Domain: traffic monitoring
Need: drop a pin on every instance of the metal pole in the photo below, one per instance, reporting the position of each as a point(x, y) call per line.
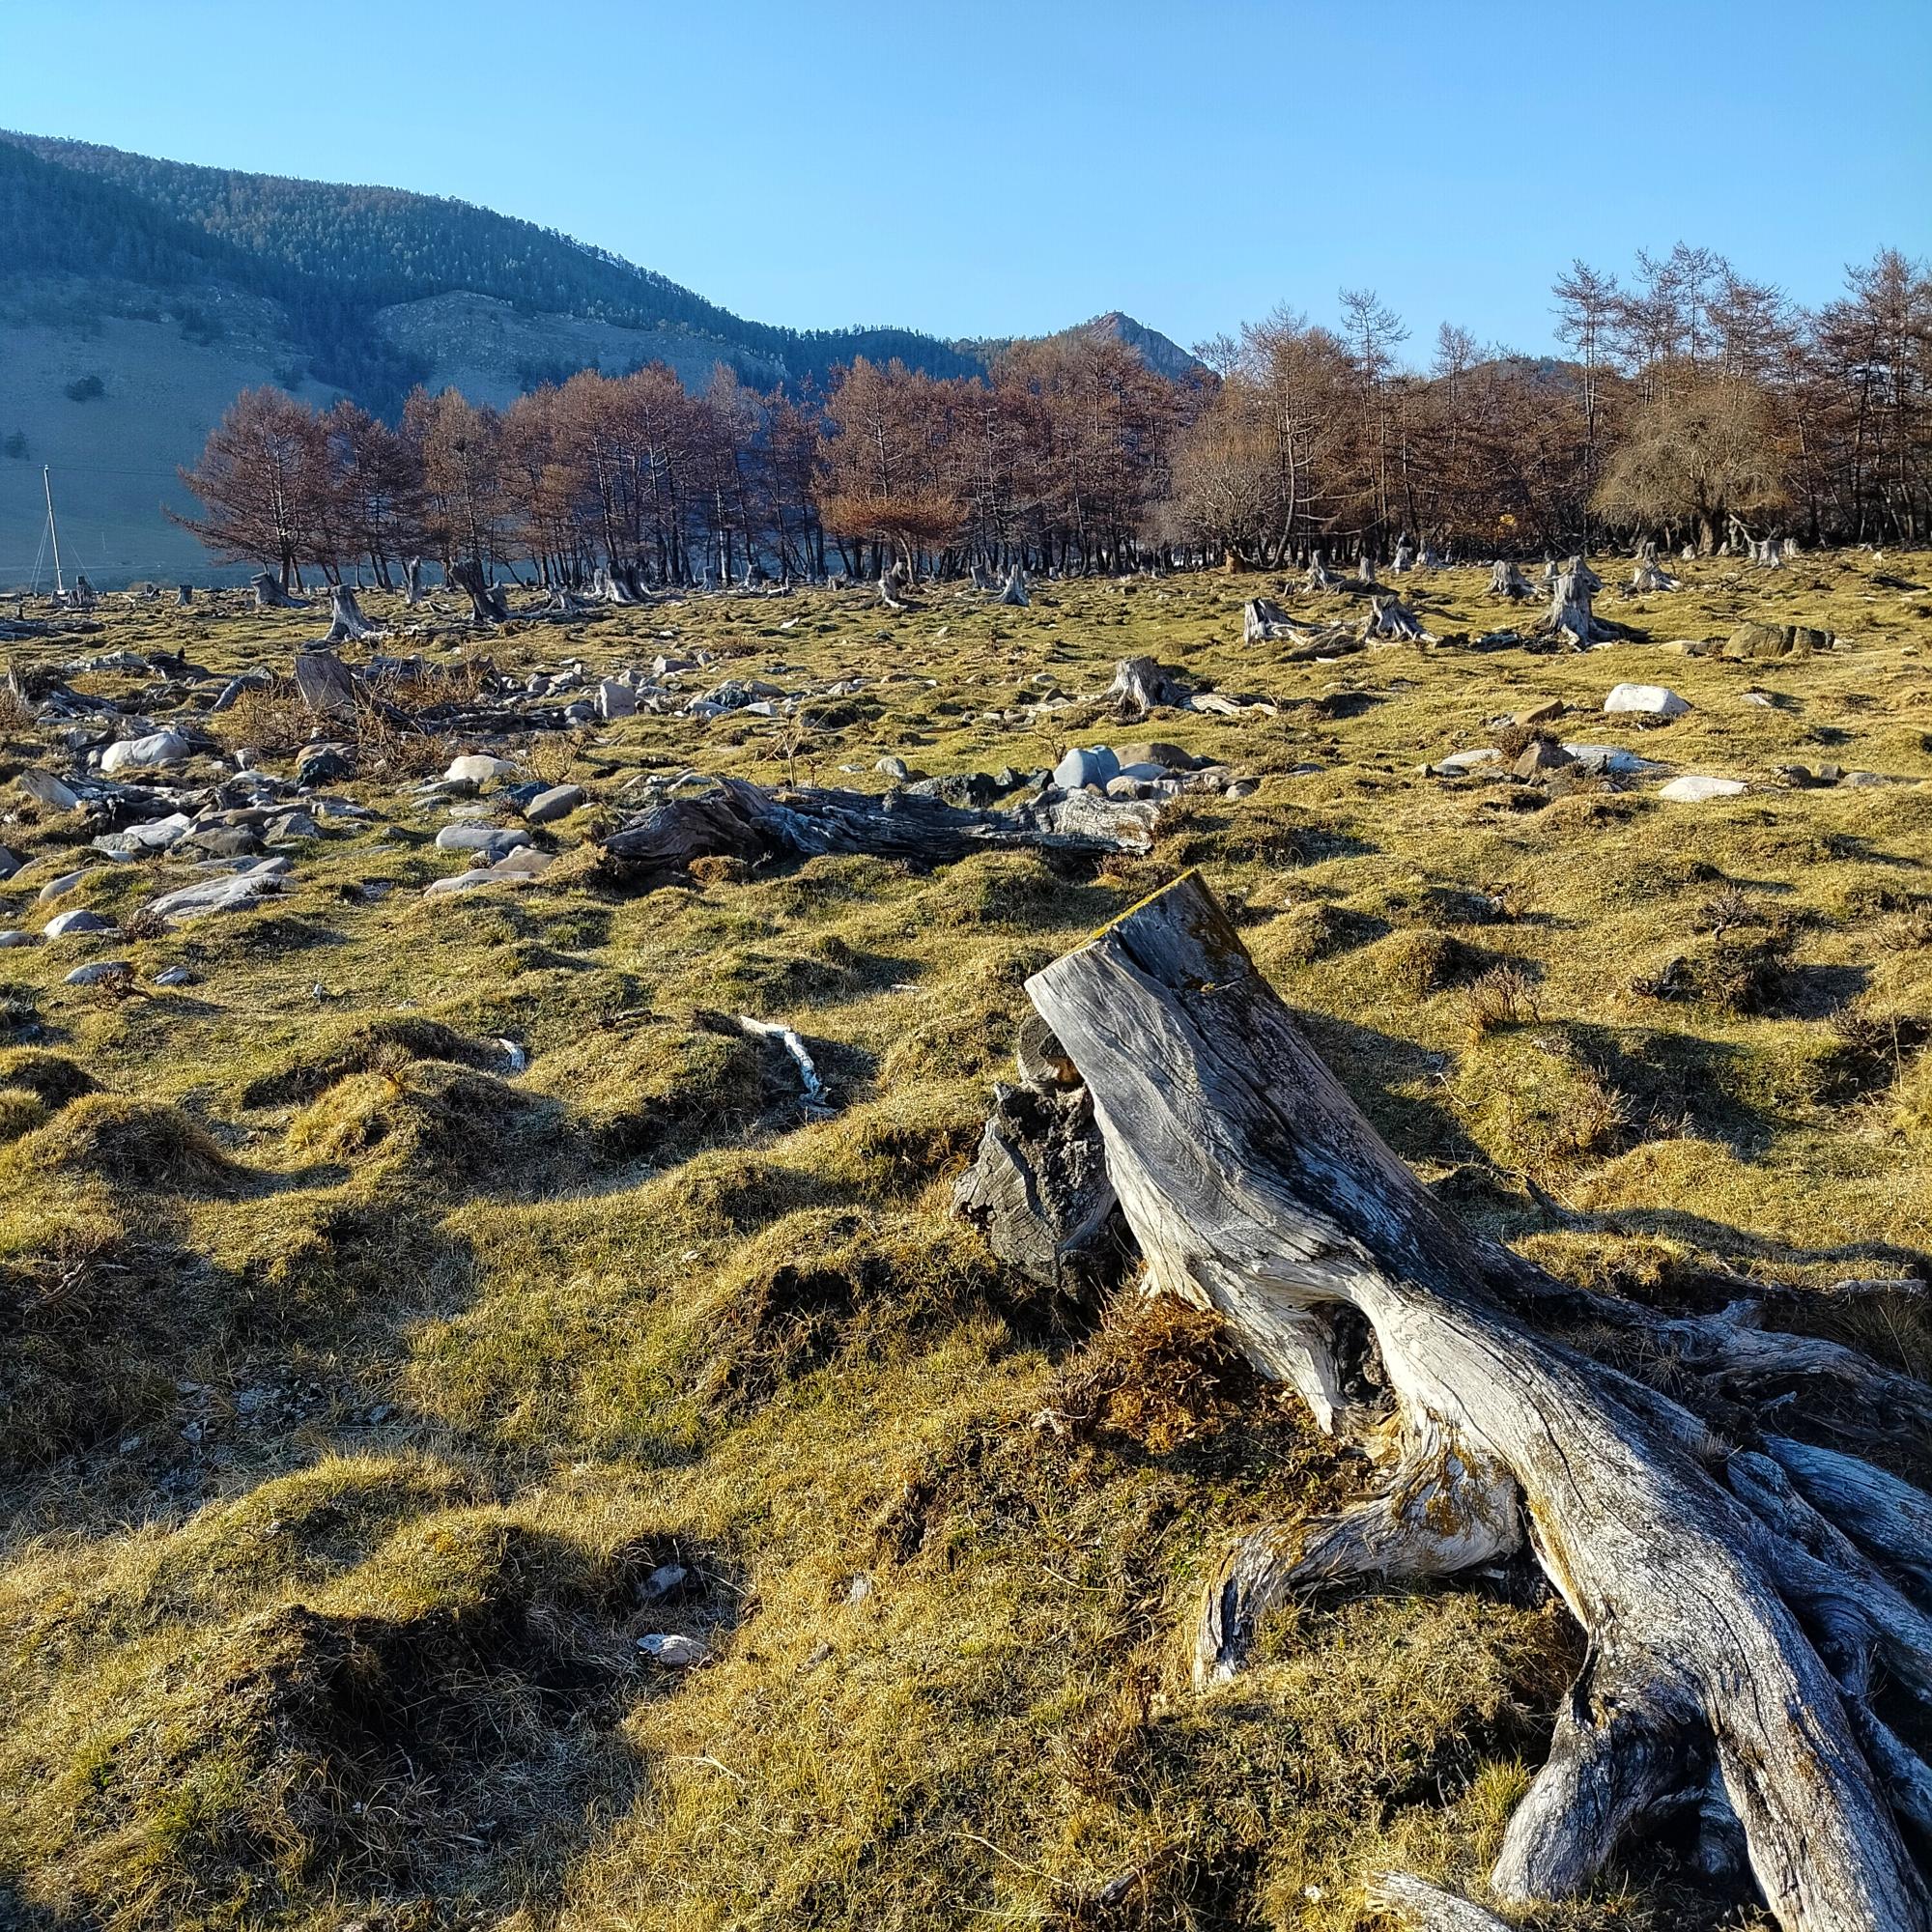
point(48, 484)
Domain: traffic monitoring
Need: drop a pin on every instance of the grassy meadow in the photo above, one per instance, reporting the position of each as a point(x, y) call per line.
point(363, 1401)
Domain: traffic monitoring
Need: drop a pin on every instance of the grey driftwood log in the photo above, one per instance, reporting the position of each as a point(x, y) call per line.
point(740, 820)
point(1746, 1604)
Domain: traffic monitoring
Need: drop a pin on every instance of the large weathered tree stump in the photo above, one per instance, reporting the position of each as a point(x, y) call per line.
point(487, 603)
point(1744, 1626)
point(346, 621)
point(269, 594)
point(1507, 580)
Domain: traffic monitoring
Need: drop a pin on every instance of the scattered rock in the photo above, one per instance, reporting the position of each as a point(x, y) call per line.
point(81, 919)
point(175, 975)
point(559, 802)
point(895, 769)
point(156, 749)
point(1550, 709)
point(13, 936)
point(1647, 700)
point(97, 972)
point(614, 699)
point(674, 1652)
point(1693, 789)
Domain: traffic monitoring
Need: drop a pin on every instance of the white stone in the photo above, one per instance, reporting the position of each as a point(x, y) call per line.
point(614, 700)
point(1648, 701)
point(1693, 789)
point(157, 747)
point(98, 970)
point(478, 768)
point(231, 895)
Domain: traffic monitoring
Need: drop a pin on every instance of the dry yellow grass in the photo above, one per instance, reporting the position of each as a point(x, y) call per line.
point(354, 1386)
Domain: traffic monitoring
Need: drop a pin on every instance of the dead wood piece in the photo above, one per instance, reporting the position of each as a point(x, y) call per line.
point(487, 603)
point(271, 596)
point(1038, 1189)
point(324, 683)
point(346, 623)
point(746, 821)
point(1139, 686)
point(1732, 1631)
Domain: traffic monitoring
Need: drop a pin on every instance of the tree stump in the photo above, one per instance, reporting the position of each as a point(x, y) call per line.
point(1507, 580)
point(487, 603)
point(1139, 686)
point(1016, 591)
point(412, 581)
point(1737, 1614)
point(346, 621)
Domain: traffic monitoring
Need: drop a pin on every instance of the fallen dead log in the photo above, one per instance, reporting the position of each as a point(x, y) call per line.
point(739, 820)
point(1744, 1631)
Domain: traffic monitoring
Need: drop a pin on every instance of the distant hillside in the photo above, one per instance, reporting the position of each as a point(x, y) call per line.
point(139, 294)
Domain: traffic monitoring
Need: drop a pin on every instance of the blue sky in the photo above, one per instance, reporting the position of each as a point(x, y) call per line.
point(1009, 168)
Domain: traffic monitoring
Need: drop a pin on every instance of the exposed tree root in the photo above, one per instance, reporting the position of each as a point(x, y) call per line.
point(1740, 1641)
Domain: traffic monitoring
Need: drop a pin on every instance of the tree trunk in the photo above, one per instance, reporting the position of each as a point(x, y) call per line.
point(1016, 591)
point(1731, 1627)
point(413, 580)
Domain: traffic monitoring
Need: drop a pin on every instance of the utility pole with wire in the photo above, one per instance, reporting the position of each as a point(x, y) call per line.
point(53, 529)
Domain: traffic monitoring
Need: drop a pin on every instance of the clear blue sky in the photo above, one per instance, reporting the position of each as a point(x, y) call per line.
point(1009, 168)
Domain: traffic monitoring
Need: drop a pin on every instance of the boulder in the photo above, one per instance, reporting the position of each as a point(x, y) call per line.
point(1542, 754)
point(155, 835)
point(13, 937)
point(139, 754)
point(559, 802)
point(489, 842)
point(1694, 789)
point(477, 769)
point(614, 699)
point(49, 790)
point(96, 971)
point(1094, 766)
point(81, 919)
point(1647, 700)
point(236, 892)
point(1776, 641)
point(1157, 752)
point(1549, 710)
point(324, 764)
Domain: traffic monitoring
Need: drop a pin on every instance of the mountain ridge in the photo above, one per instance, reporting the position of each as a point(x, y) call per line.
point(143, 293)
